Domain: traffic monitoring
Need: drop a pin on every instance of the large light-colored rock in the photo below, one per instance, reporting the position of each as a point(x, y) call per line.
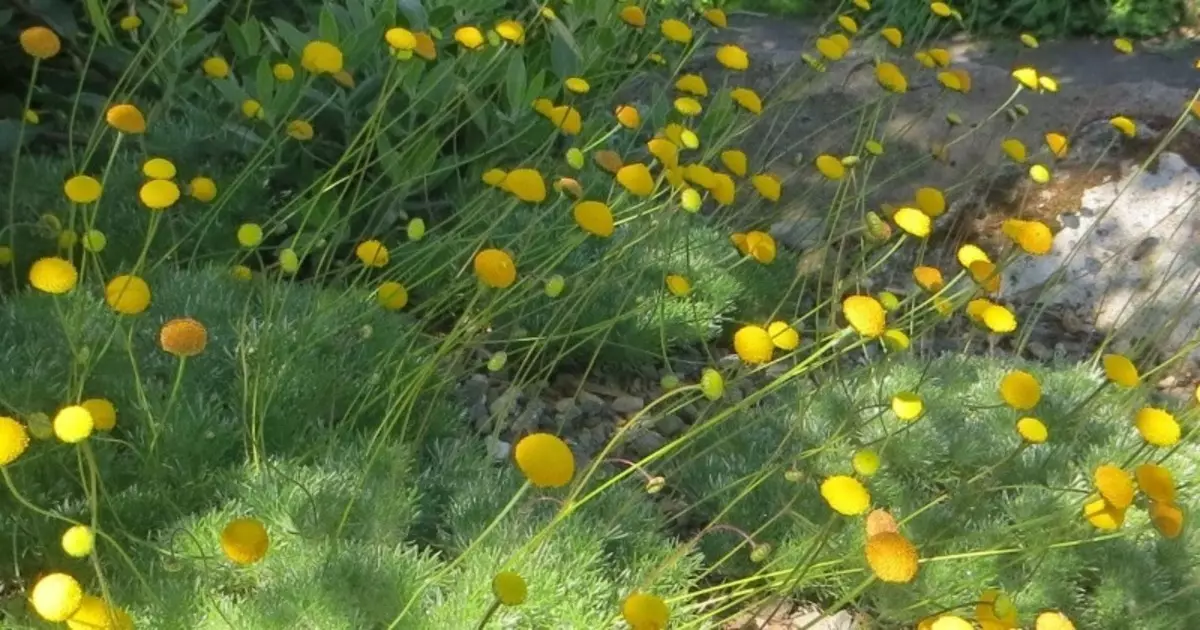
point(1129, 261)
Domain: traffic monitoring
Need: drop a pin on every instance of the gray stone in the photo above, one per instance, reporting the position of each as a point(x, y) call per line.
point(474, 388)
point(815, 620)
point(498, 449)
point(670, 426)
point(626, 405)
point(505, 404)
point(645, 442)
point(480, 417)
point(1039, 350)
point(590, 403)
point(567, 411)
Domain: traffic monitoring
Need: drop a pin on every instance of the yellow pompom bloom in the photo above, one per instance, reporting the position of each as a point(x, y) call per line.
point(129, 23)
point(676, 31)
point(636, 179)
point(241, 273)
point(891, 78)
point(372, 253)
point(1123, 46)
point(940, 56)
point(289, 260)
point(689, 199)
point(202, 189)
point(14, 439)
point(995, 610)
point(569, 186)
point(760, 246)
point(665, 151)
point(53, 275)
point(881, 521)
point(929, 278)
point(1029, 40)
point(104, 413)
point(1027, 77)
point(892, 558)
point(158, 168)
point(545, 460)
point(216, 67)
point(1157, 426)
point(495, 268)
point(73, 424)
point(392, 295)
point(1020, 390)
point(1114, 485)
point(846, 495)
point(300, 130)
point(577, 85)
point(594, 218)
point(283, 72)
point(494, 177)
point(1053, 620)
point(643, 611)
point(78, 541)
point(95, 614)
point(716, 17)
point(426, 47)
point(678, 285)
point(688, 106)
point(183, 337)
point(896, 340)
point(753, 344)
point(509, 588)
point(830, 48)
point(469, 37)
point(1167, 519)
point(1120, 370)
point(985, 274)
point(1032, 430)
point(692, 84)
point(321, 57)
point(252, 109)
point(628, 116)
point(733, 57)
point(127, 295)
point(567, 119)
point(865, 314)
point(1049, 84)
point(768, 186)
point(249, 235)
point(736, 161)
point(830, 167)
point(931, 201)
point(56, 597)
point(950, 622)
point(893, 36)
point(783, 336)
point(400, 39)
point(1103, 515)
point(913, 221)
point(940, 9)
point(525, 184)
point(40, 42)
point(1014, 149)
point(1155, 481)
point(712, 384)
point(999, 319)
point(159, 194)
point(907, 406)
point(126, 118)
point(245, 541)
point(1125, 125)
point(865, 462)
point(633, 15)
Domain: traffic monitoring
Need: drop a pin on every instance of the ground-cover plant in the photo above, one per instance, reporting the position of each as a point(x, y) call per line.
point(227, 388)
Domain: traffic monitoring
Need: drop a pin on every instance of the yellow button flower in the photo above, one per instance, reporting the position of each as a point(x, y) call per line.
point(692, 84)
point(82, 189)
point(846, 495)
point(14, 439)
point(509, 588)
point(636, 179)
point(53, 275)
point(525, 184)
point(633, 15)
point(245, 541)
point(183, 337)
point(469, 37)
point(202, 189)
point(865, 314)
point(73, 424)
point(1020, 390)
point(300, 130)
point(126, 118)
point(678, 285)
point(104, 413)
point(748, 99)
point(676, 31)
point(283, 72)
point(159, 194)
point(216, 67)
point(321, 57)
point(594, 218)
point(40, 42)
point(753, 344)
point(907, 406)
point(127, 295)
point(372, 253)
point(1157, 426)
point(545, 460)
point(1114, 485)
point(892, 558)
point(733, 57)
point(1032, 430)
point(495, 268)
point(643, 611)
point(158, 168)
point(56, 597)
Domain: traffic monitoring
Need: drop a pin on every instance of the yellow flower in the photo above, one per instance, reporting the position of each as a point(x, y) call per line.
point(1125, 125)
point(283, 72)
point(400, 39)
point(712, 384)
point(950, 80)
point(830, 167)
point(494, 177)
point(241, 273)
point(578, 85)
point(569, 186)
point(159, 194)
point(1123, 45)
point(735, 160)
point(40, 42)
point(469, 37)
point(995, 611)
point(509, 588)
point(1155, 481)
point(865, 462)
point(426, 47)
point(733, 57)
point(56, 597)
point(896, 340)
point(1114, 485)
point(891, 78)
point(689, 199)
point(907, 406)
point(183, 337)
point(300, 130)
point(512, 31)
point(1032, 430)
point(929, 278)
point(525, 184)
point(1103, 516)
point(760, 246)
point(73, 424)
point(665, 151)
point(893, 36)
point(1033, 237)
point(545, 460)
point(372, 253)
point(767, 185)
point(289, 260)
point(321, 57)
point(1027, 77)
point(53, 275)
point(158, 168)
point(495, 268)
point(82, 189)
point(940, 9)
point(1029, 40)
point(1020, 390)
point(252, 109)
point(688, 106)
point(913, 221)
point(924, 58)
point(31, 117)
point(783, 336)
point(1049, 84)
point(1014, 149)
point(1053, 620)
point(692, 84)
point(984, 273)
point(633, 15)
point(94, 614)
point(753, 344)
point(104, 414)
point(892, 558)
point(127, 295)
point(676, 31)
point(865, 5)
point(846, 495)
point(881, 521)
point(14, 439)
point(865, 314)
point(643, 611)
point(216, 67)
point(126, 118)
point(949, 622)
point(249, 235)
point(202, 189)
point(608, 160)
point(594, 218)
point(716, 17)
point(1157, 426)
point(129, 23)
point(1167, 519)
point(245, 541)
point(392, 295)
point(1120, 370)
point(78, 541)
point(848, 23)
point(1057, 143)
point(636, 179)
point(830, 48)
point(999, 319)
point(628, 116)
point(748, 99)
point(678, 285)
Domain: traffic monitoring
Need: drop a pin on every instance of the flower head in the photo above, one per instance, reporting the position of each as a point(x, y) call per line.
point(692, 84)
point(321, 57)
point(14, 439)
point(1157, 426)
point(244, 541)
point(104, 414)
point(892, 558)
point(511, 31)
point(469, 37)
point(676, 31)
point(636, 179)
point(783, 336)
point(846, 495)
point(830, 167)
point(73, 424)
point(56, 597)
point(1053, 620)
point(300, 130)
point(183, 337)
point(594, 217)
point(712, 384)
point(126, 118)
point(733, 57)
point(633, 15)
point(40, 42)
point(1114, 485)
point(127, 295)
point(891, 78)
point(1155, 481)
point(865, 314)
point(628, 116)
point(1020, 390)
point(643, 611)
point(678, 285)
point(545, 460)
point(215, 67)
point(525, 184)
point(1167, 519)
point(78, 541)
point(495, 268)
point(1032, 430)
point(753, 344)
point(509, 588)
point(95, 614)
point(159, 194)
point(907, 406)
point(372, 253)
point(913, 222)
point(865, 462)
point(202, 189)
point(283, 72)
point(53, 275)
point(716, 17)
point(880, 521)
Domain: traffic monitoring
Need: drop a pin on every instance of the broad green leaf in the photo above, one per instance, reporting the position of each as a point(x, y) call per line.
point(327, 26)
point(252, 32)
point(290, 34)
point(237, 40)
point(231, 91)
point(264, 82)
point(414, 11)
point(197, 49)
point(99, 20)
point(57, 14)
point(515, 81)
point(5, 16)
point(564, 55)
